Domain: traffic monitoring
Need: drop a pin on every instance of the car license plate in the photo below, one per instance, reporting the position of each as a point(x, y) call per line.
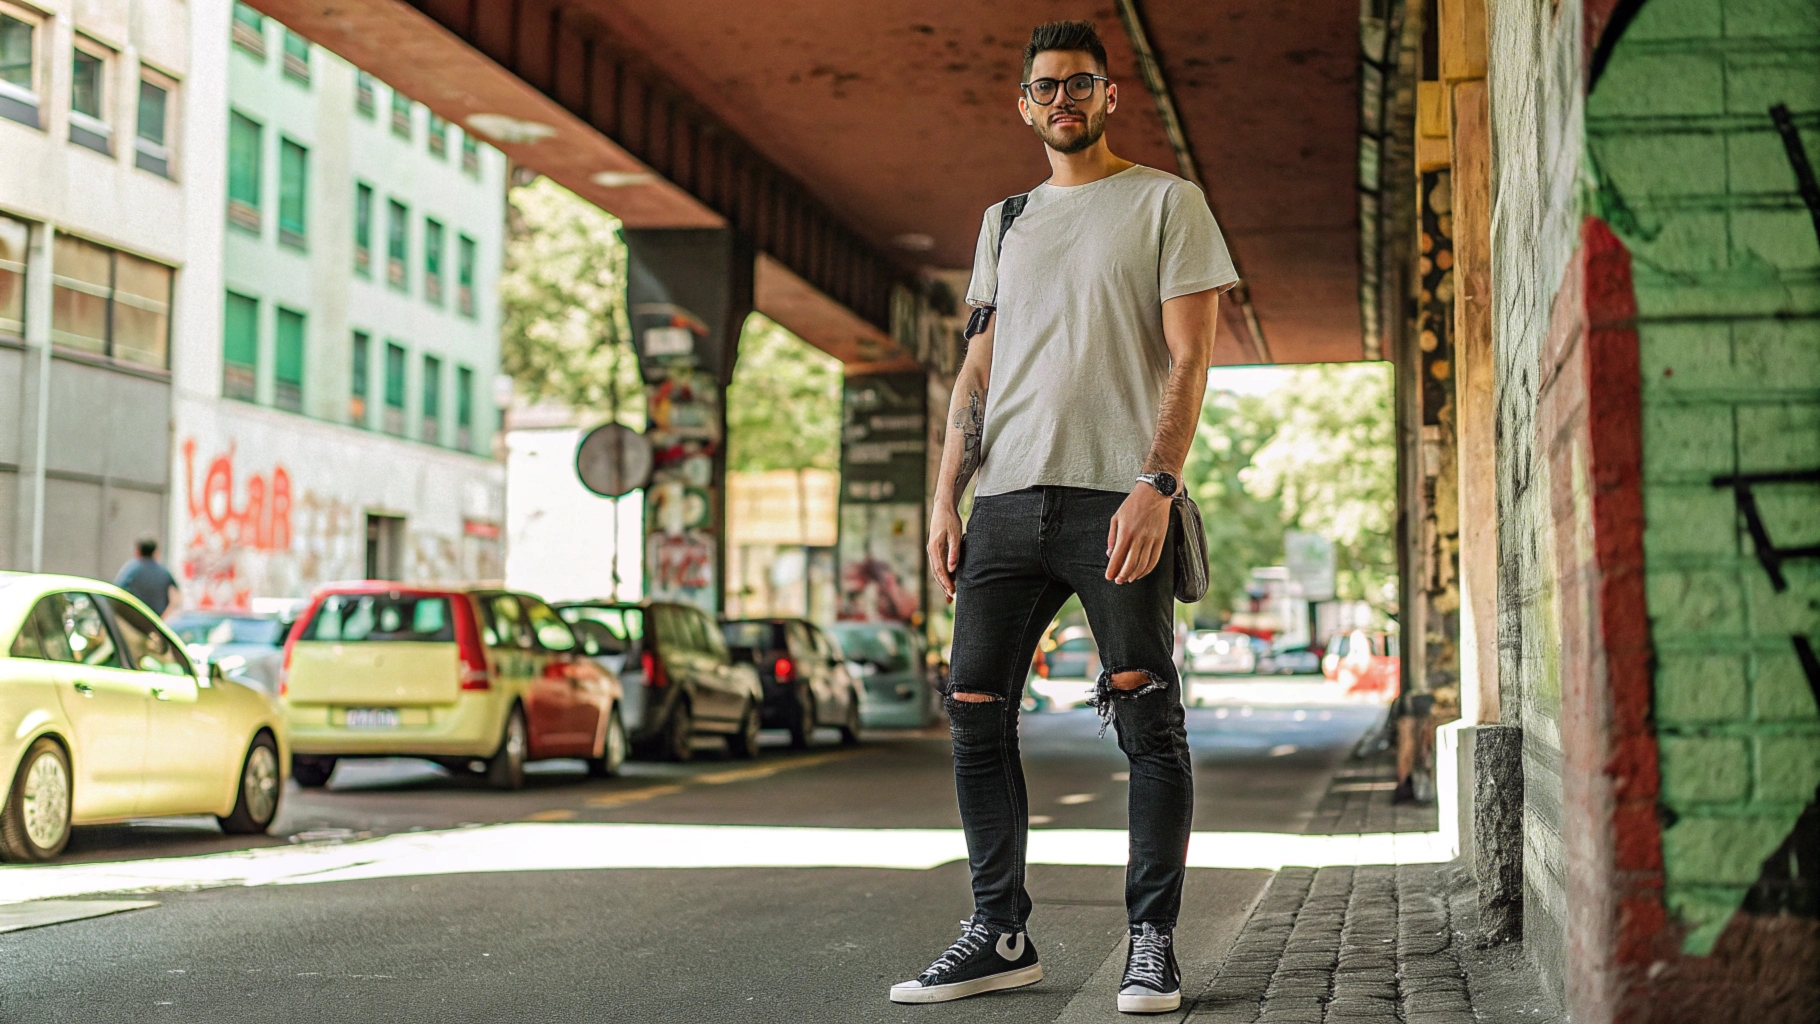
point(372, 718)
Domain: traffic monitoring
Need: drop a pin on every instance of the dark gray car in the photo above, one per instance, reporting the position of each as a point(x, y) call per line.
point(805, 678)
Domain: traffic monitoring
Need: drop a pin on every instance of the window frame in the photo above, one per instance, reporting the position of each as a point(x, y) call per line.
point(19, 103)
point(464, 407)
point(429, 400)
point(403, 112)
point(243, 213)
point(156, 157)
point(366, 99)
point(398, 245)
point(467, 270)
point(293, 233)
point(249, 36)
point(360, 378)
point(93, 131)
point(112, 295)
point(363, 229)
point(229, 365)
point(434, 234)
point(288, 392)
point(392, 412)
point(295, 65)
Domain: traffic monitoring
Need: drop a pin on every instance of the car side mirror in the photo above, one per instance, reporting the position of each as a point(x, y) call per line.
point(214, 675)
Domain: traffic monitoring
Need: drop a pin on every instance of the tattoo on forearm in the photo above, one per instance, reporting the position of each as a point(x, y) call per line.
point(1175, 421)
point(971, 422)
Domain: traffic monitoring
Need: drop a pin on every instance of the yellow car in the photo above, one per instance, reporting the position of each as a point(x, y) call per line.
point(462, 675)
point(103, 717)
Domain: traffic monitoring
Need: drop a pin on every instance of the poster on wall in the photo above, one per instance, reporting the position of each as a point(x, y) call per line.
point(881, 562)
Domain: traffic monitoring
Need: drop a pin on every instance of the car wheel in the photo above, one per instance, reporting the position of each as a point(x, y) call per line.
point(260, 786)
point(312, 772)
point(506, 768)
point(802, 726)
point(35, 823)
point(679, 733)
point(612, 749)
point(849, 729)
point(744, 743)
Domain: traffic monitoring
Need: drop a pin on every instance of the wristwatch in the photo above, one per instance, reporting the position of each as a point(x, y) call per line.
point(1165, 483)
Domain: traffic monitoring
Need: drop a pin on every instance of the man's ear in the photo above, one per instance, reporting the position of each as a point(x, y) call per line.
point(1023, 109)
point(1112, 97)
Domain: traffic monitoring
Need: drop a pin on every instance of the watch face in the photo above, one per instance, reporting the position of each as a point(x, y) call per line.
point(1165, 483)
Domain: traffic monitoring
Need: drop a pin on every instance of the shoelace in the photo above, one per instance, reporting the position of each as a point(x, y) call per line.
point(973, 939)
point(1149, 963)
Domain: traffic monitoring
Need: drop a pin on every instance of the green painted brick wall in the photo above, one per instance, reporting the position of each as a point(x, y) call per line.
point(1684, 163)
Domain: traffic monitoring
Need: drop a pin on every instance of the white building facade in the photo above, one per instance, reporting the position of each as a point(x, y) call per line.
point(109, 265)
point(342, 421)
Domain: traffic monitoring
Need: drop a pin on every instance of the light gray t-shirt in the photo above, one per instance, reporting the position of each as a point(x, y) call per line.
point(1078, 356)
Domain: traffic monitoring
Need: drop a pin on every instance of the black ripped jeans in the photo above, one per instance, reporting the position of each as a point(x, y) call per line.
point(1022, 555)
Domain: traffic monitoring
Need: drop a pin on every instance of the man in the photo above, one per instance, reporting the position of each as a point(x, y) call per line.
point(1106, 290)
point(148, 581)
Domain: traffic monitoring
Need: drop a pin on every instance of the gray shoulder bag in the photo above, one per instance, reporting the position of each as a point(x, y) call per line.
point(1186, 535)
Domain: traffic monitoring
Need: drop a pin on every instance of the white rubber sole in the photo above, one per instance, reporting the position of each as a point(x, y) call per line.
point(1135, 1003)
point(910, 992)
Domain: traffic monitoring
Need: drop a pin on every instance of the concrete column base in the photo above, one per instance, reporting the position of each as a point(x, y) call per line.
point(1479, 779)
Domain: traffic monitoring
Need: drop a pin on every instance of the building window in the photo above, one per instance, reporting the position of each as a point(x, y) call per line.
point(470, 154)
point(249, 30)
point(401, 115)
point(432, 260)
point(363, 229)
point(293, 193)
point(397, 243)
point(88, 79)
point(245, 149)
point(464, 291)
point(240, 348)
point(287, 361)
point(18, 70)
point(394, 389)
point(110, 303)
point(151, 151)
point(358, 386)
point(363, 94)
point(439, 137)
point(432, 400)
point(464, 408)
point(296, 57)
point(15, 238)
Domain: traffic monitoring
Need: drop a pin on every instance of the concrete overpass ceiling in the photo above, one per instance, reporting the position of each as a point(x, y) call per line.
point(896, 120)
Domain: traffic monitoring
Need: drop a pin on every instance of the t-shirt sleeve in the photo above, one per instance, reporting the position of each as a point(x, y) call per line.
point(983, 290)
point(1193, 255)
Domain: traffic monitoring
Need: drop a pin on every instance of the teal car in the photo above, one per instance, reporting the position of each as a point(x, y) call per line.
point(889, 660)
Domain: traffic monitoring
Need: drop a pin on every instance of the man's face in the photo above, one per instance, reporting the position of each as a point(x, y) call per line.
point(1068, 125)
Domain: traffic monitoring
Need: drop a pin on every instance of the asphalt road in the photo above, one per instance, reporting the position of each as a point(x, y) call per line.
point(670, 944)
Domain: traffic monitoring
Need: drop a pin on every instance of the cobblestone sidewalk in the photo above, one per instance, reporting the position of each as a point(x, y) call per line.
point(1370, 945)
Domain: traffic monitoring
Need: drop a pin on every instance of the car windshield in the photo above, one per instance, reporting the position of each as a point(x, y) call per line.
point(194, 628)
point(351, 618)
point(624, 623)
point(879, 645)
point(752, 635)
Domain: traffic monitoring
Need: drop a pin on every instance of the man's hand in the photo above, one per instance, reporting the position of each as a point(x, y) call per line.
point(945, 545)
point(1139, 530)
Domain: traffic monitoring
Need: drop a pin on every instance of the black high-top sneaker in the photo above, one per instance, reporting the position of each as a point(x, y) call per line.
point(1153, 981)
point(981, 960)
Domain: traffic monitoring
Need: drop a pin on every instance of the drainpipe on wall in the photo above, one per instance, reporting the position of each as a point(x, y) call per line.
point(38, 334)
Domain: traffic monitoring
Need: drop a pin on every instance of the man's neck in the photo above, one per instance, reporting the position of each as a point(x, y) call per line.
point(1089, 165)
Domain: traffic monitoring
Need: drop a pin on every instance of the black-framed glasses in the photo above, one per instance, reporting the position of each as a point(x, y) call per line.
point(1043, 91)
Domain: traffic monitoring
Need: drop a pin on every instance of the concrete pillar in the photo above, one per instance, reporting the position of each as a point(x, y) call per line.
point(688, 293)
point(884, 468)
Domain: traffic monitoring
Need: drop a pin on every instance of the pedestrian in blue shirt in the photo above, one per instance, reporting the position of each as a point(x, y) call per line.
point(148, 581)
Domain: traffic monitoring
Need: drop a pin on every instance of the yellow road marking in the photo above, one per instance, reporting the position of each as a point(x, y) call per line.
point(766, 770)
point(632, 796)
point(553, 814)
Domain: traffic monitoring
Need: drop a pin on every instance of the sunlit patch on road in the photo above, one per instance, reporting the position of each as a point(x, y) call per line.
point(533, 846)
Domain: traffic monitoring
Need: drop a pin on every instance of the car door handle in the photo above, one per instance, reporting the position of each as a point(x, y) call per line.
point(85, 689)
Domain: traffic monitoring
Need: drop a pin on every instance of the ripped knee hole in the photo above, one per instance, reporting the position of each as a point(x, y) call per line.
point(969, 697)
point(1131, 680)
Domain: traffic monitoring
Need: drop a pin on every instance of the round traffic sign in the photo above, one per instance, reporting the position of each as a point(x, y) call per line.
point(613, 460)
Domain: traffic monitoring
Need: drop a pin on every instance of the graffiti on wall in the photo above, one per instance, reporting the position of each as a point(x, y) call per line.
point(223, 523)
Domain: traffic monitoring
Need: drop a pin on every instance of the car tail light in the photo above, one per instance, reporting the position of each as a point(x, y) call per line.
point(784, 670)
point(654, 670)
point(474, 674)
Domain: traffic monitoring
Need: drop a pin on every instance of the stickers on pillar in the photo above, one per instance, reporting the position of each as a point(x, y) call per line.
point(881, 562)
point(682, 567)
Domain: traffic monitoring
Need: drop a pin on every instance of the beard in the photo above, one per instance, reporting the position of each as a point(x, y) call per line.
point(1069, 144)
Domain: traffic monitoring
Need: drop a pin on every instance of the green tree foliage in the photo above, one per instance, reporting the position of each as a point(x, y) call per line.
point(783, 407)
point(1331, 467)
point(1243, 530)
point(563, 294)
point(1316, 454)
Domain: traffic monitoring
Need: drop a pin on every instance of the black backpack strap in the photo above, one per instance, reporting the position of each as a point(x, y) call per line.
point(982, 315)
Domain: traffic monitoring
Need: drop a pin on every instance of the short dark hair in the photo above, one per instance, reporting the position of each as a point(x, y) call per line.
point(147, 547)
point(1065, 35)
